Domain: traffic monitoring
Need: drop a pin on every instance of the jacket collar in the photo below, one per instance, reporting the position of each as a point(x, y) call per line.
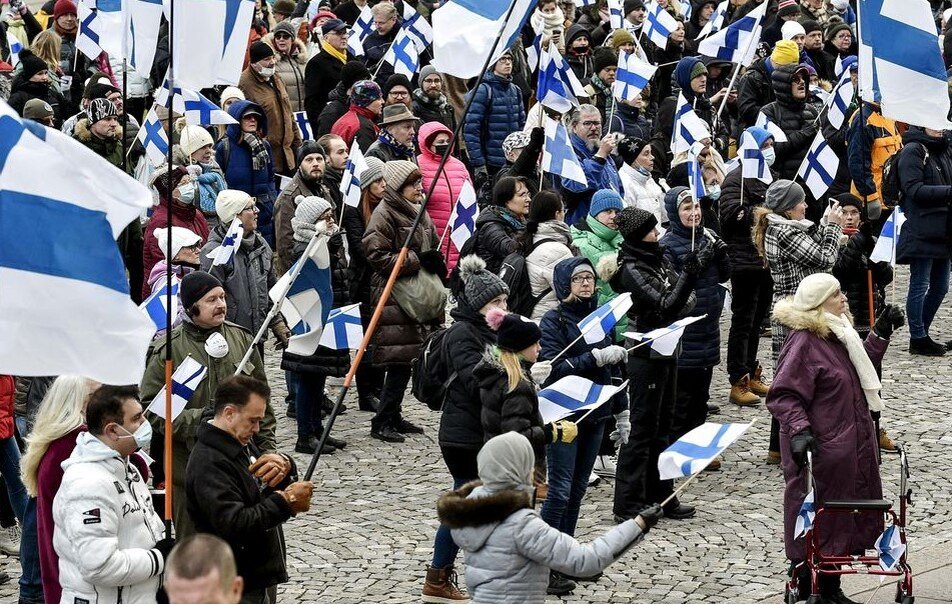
point(457, 510)
point(217, 438)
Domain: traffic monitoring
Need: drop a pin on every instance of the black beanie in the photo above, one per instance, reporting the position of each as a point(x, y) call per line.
point(514, 333)
point(30, 64)
point(631, 5)
point(811, 25)
point(397, 79)
point(635, 223)
point(194, 286)
point(353, 71)
point(604, 57)
point(259, 50)
point(848, 199)
point(308, 147)
point(630, 148)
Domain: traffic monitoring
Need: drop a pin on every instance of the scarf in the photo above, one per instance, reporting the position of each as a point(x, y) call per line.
point(868, 380)
point(548, 22)
point(303, 230)
point(401, 151)
point(340, 56)
point(259, 151)
point(66, 35)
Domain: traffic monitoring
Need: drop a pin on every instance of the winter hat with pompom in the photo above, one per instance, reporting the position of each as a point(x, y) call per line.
point(514, 333)
point(479, 285)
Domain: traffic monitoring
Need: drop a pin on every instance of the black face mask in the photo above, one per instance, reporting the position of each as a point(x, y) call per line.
point(441, 148)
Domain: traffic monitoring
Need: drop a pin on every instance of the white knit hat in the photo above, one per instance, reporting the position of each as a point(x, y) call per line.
point(814, 291)
point(791, 29)
point(181, 237)
point(194, 138)
point(229, 203)
point(231, 92)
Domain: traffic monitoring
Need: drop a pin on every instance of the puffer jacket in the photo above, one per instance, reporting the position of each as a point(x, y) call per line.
point(284, 209)
point(797, 119)
point(583, 66)
point(641, 191)
point(925, 177)
point(447, 188)
point(182, 216)
point(600, 245)
point(290, 68)
point(599, 174)
point(105, 528)
point(495, 237)
point(505, 411)
point(496, 112)
point(701, 343)
point(850, 270)
point(137, 86)
point(553, 242)
point(510, 549)
point(737, 219)
point(8, 391)
point(754, 91)
point(560, 331)
point(247, 278)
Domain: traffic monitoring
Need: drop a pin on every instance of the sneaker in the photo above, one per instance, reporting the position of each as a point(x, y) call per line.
point(885, 444)
point(559, 585)
point(605, 465)
point(773, 458)
point(757, 384)
point(593, 479)
point(10, 540)
point(387, 434)
point(310, 445)
point(404, 427)
point(926, 347)
point(440, 587)
point(741, 394)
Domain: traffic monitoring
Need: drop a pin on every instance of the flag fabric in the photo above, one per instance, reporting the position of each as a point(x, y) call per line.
point(838, 67)
point(738, 41)
point(559, 87)
point(170, 96)
point(584, 3)
point(199, 111)
point(463, 218)
point(309, 298)
point(664, 340)
point(211, 37)
point(110, 23)
point(363, 27)
point(573, 393)
point(819, 167)
point(65, 305)
point(153, 139)
point(890, 547)
point(900, 62)
point(839, 101)
point(716, 21)
point(687, 9)
point(885, 248)
point(416, 27)
point(695, 450)
point(343, 330)
point(15, 46)
point(90, 29)
point(141, 20)
point(805, 517)
point(403, 55)
point(752, 159)
point(696, 173)
point(534, 51)
point(157, 305)
point(767, 124)
point(465, 33)
point(224, 253)
point(558, 156)
point(597, 325)
point(350, 182)
point(689, 128)
point(631, 77)
point(185, 381)
point(303, 125)
point(659, 24)
point(616, 15)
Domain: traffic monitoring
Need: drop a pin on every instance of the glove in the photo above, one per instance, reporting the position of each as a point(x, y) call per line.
point(540, 371)
point(298, 496)
point(564, 431)
point(800, 443)
point(650, 516)
point(432, 262)
point(622, 428)
point(281, 333)
point(536, 137)
point(609, 355)
point(889, 319)
point(719, 249)
point(165, 546)
point(692, 266)
point(194, 171)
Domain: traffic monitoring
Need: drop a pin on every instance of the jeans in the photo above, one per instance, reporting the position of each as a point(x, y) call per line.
point(462, 466)
point(10, 468)
point(310, 394)
point(928, 284)
point(570, 465)
point(31, 587)
point(293, 380)
point(751, 296)
point(391, 397)
point(690, 405)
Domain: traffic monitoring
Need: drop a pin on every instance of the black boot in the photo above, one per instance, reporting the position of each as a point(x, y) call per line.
point(387, 434)
point(675, 510)
point(404, 427)
point(926, 347)
point(309, 445)
point(559, 585)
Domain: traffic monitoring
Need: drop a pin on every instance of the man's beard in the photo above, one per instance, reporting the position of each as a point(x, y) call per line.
point(591, 144)
point(311, 179)
point(433, 95)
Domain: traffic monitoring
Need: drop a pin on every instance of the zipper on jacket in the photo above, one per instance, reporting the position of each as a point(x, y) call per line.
point(119, 595)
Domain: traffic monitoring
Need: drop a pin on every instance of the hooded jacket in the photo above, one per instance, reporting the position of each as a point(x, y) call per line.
point(504, 411)
point(582, 65)
point(496, 112)
point(495, 238)
point(553, 243)
point(448, 187)
point(23, 90)
point(796, 118)
point(272, 97)
point(925, 177)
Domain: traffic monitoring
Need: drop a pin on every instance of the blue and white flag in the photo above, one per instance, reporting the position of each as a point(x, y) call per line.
point(15, 46)
point(558, 88)
point(534, 50)
point(752, 160)
point(199, 111)
point(157, 304)
point(185, 381)
point(465, 32)
point(303, 125)
point(890, 547)
point(689, 128)
point(696, 173)
point(697, 449)
point(900, 62)
point(573, 393)
point(584, 3)
point(309, 297)
point(350, 182)
point(805, 517)
point(416, 27)
point(687, 8)
point(819, 167)
point(224, 253)
point(170, 97)
point(142, 19)
point(659, 24)
point(558, 156)
point(110, 19)
point(596, 326)
point(363, 27)
point(738, 41)
point(767, 124)
point(211, 37)
point(616, 14)
point(343, 331)
point(664, 340)
point(716, 22)
point(463, 219)
point(885, 248)
point(403, 55)
point(153, 139)
point(839, 101)
point(631, 77)
point(89, 33)
point(90, 326)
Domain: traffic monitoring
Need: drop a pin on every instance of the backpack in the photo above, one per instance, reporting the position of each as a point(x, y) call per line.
point(891, 189)
point(515, 273)
point(430, 377)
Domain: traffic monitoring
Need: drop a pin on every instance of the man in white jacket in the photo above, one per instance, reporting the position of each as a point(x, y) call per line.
point(107, 534)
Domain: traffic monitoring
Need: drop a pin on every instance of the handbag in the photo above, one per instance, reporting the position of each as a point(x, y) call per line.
point(421, 296)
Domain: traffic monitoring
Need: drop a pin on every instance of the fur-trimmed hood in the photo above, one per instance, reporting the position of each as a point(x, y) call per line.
point(474, 518)
point(301, 55)
point(798, 320)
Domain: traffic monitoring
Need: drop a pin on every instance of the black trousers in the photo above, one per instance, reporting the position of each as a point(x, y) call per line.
point(651, 394)
point(693, 393)
point(391, 397)
point(369, 379)
point(751, 295)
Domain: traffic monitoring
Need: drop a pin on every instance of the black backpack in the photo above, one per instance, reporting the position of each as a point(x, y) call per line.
point(431, 378)
point(515, 273)
point(891, 190)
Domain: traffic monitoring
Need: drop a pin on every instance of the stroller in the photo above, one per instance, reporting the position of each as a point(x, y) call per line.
point(818, 563)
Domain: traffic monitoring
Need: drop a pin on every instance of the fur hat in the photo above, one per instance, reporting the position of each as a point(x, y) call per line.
point(634, 223)
point(814, 290)
point(514, 333)
point(479, 285)
point(181, 237)
point(258, 51)
point(193, 138)
point(194, 286)
point(372, 173)
point(101, 109)
point(398, 173)
point(605, 199)
point(230, 203)
point(783, 195)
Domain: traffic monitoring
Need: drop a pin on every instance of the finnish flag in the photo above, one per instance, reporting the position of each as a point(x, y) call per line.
point(465, 33)
point(463, 218)
point(170, 96)
point(309, 296)
point(303, 125)
point(558, 156)
point(350, 182)
point(890, 547)
point(839, 101)
point(659, 24)
point(363, 27)
point(185, 381)
point(885, 248)
point(15, 47)
point(88, 37)
point(156, 306)
point(558, 87)
point(596, 326)
point(664, 340)
point(716, 21)
point(224, 253)
point(534, 51)
point(805, 517)
point(819, 167)
point(752, 160)
point(697, 449)
point(153, 138)
point(767, 124)
point(689, 128)
point(696, 173)
point(142, 21)
point(199, 111)
point(343, 330)
point(403, 55)
point(616, 16)
point(416, 27)
point(631, 77)
point(211, 37)
point(573, 393)
point(738, 41)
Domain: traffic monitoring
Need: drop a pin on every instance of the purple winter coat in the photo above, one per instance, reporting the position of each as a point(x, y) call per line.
point(815, 386)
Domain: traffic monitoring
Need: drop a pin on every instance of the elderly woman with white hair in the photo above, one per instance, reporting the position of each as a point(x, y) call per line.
point(824, 388)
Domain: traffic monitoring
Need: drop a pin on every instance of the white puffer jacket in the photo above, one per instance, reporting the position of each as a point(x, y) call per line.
point(105, 529)
point(540, 264)
point(641, 191)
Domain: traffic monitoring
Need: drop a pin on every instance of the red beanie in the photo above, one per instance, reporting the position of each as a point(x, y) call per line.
point(63, 7)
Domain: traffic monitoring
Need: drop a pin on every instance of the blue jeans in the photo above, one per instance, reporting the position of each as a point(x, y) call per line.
point(292, 379)
point(462, 466)
point(31, 588)
point(10, 468)
point(569, 466)
point(310, 393)
point(928, 284)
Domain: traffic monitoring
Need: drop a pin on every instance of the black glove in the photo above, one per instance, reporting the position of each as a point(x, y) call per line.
point(536, 137)
point(889, 319)
point(692, 265)
point(165, 546)
point(432, 262)
point(650, 516)
point(800, 443)
point(719, 249)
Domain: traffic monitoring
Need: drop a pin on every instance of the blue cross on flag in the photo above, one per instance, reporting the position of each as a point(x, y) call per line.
point(199, 111)
point(156, 305)
point(659, 24)
point(738, 41)
point(752, 159)
point(839, 101)
point(350, 182)
point(15, 46)
point(463, 219)
point(403, 55)
point(466, 32)
point(716, 22)
point(599, 324)
point(664, 340)
point(343, 330)
point(224, 253)
point(309, 296)
point(695, 450)
point(890, 547)
point(303, 125)
point(696, 173)
point(558, 88)
point(211, 37)
point(885, 248)
point(819, 167)
point(767, 124)
point(153, 139)
point(142, 21)
point(185, 381)
point(416, 27)
point(363, 27)
point(805, 517)
point(616, 15)
point(689, 128)
point(558, 156)
point(573, 393)
point(631, 77)
point(90, 29)
point(534, 51)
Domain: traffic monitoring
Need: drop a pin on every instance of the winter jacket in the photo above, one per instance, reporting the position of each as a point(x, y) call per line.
point(925, 177)
point(321, 76)
point(497, 111)
point(447, 188)
point(495, 238)
point(851, 269)
point(228, 501)
point(247, 278)
point(510, 549)
point(8, 391)
point(383, 150)
point(599, 174)
point(137, 86)
point(583, 65)
point(283, 134)
point(375, 47)
point(284, 209)
point(105, 528)
point(553, 242)
point(701, 342)
point(23, 90)
point(797, 119)
point(430, 110)
point(210, 182)
point(754, 92)
point(336, 106)
point(359, 272)
point(182, 216)
point(873, 138)
point(737, 219)
point(600, 245)
point(290, 70)
point(641, 191)
point(358, 123)
point(681, 86)
point(815, 386)
point(505, 411)
point(109, 149)
point(527, 164)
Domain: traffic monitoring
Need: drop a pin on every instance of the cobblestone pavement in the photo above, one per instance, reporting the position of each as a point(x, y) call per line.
point(370, 530)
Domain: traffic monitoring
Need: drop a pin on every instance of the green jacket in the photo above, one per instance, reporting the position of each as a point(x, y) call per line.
point(596, 241)
point(110, 150)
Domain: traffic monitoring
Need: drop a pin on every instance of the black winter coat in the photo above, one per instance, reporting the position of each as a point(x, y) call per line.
point(495, 238)
point(797, 119)
point(337, 105)
point(526, 165)
point(737, 219)
point(850, 270)
point(753, 92)
point(926, 183)
point(23, 90)
point(428, 110)
point(226, 500)
point(321, 76)
point(504, 411)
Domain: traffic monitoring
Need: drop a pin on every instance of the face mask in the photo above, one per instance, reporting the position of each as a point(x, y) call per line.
point(266, 72)
point(216, 346)
point(441, 148)
point(714, 193)
point(142, 435)
point(770, 156)
point(187, 193)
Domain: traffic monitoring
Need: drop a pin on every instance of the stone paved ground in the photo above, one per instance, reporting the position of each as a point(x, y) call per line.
point(369, 533)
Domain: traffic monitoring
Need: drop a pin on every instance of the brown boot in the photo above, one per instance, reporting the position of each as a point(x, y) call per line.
point(886, 443)
point(757, 384)
point(741, 394)
point(440, 587)
point(714, 466)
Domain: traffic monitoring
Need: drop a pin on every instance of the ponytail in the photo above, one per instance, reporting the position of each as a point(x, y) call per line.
point(759, 231)
point(545, 205)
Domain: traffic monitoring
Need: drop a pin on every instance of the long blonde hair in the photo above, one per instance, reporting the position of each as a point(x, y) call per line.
point(759, 231)
point(46, 45)
point(512, 364)
point(60, 412)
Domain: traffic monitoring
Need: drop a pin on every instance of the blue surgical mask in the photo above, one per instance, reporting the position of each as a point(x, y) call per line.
point(142, 435)
point(187, 192)
point(770, 156)
point(714, 193)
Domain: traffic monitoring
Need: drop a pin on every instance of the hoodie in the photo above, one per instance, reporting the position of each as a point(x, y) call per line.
point(447, 188)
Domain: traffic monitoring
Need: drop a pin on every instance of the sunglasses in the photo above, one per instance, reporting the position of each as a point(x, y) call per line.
point(282, 36)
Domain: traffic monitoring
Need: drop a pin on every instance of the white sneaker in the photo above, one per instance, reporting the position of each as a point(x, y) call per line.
point(605, 466)
point(593, 479)
point(10, 540)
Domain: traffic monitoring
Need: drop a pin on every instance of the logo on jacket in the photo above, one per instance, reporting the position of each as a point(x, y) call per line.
point(94, 516)
point(119, 487)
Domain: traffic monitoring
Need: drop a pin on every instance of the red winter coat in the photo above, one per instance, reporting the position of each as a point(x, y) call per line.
point(182, 216)
point(447, 187)
point(8, 390)
point(359, 123)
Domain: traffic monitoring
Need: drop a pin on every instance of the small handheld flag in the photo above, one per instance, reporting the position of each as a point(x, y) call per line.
point(805, 517)
point(737, 42)
point(153, 139)
point(596, 326)
point(185, 382)
point(659, 24)
point(631, 77)
point(350, 182)
point(767, 124)
point(156, 305)
point(559, 87)
point(344, 329)
point(224, 253)
point(403, 55)
point(573, 393)
point(697, 449)
point(752, 159)
point(558, 156)
point(890, 547)
point(819, 167)
point(885, 248)
point(664, 340)
point(463, 219)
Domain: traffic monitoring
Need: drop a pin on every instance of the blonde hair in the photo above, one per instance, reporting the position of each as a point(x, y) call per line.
point(60, 412)
point(512, 363)
point(46, 45)
point(759, 231)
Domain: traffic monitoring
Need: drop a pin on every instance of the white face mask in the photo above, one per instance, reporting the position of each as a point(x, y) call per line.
point(266, 72)
point(770, 156)
point(216, 346)
point(142, 435)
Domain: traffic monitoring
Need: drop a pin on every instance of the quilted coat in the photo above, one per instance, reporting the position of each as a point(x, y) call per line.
point(496, 112)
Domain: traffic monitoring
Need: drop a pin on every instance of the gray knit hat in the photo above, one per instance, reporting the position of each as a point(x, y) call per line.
point(398, 172)
point(479, 285)
point(783, 195)
point(310, 208)
point(372, 174)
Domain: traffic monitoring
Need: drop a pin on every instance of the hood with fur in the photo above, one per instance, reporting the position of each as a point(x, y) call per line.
point(799, 320)
point(474, 519)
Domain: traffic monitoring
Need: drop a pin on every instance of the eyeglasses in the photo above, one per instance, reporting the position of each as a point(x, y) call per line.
point(594, 124)
point(398, 93)
point(282, 36)
point(583, 279)
point(251, 208)
point(506, 59)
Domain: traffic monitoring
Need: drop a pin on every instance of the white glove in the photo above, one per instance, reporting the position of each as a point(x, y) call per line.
point(194, 171)
point(540, 371)
point(622, 428)
point(609, 355)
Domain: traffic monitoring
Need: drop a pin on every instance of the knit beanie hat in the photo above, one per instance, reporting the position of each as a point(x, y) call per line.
point(229, 203)
point(307, 148)
point(835, 28)
point(620, 37)
point(372, 173)
point(63, 7)
point(231, 92)
point(479, 285)
point(98, 90)
point(181, 237)
point(761, 135)
point(630, 148)
point(310, 208)
point(791, 29)
point(365, 92)
point(848, 199)
point(30, 64)
point(164, 181)
point(605, 199)
point(783, 195)
point(37, 109)
point(353, 71)
point(604, 57)
point(193, 138)
point(814, 291)
point(809, 26)
point(397, 79)
point(631, 5)
point(515, 140)
point(785, 53)
point(427, 71)
point(634, 223)
point(194, 286)
point(787, 8)
point(514, 333)
point(283, 7)
point(100, 109)
point(699, 69)
point(284, 26)
point(397, 173)
point(259, 50)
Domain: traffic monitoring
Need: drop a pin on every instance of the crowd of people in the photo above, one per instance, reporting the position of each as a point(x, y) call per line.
point(498, 316)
